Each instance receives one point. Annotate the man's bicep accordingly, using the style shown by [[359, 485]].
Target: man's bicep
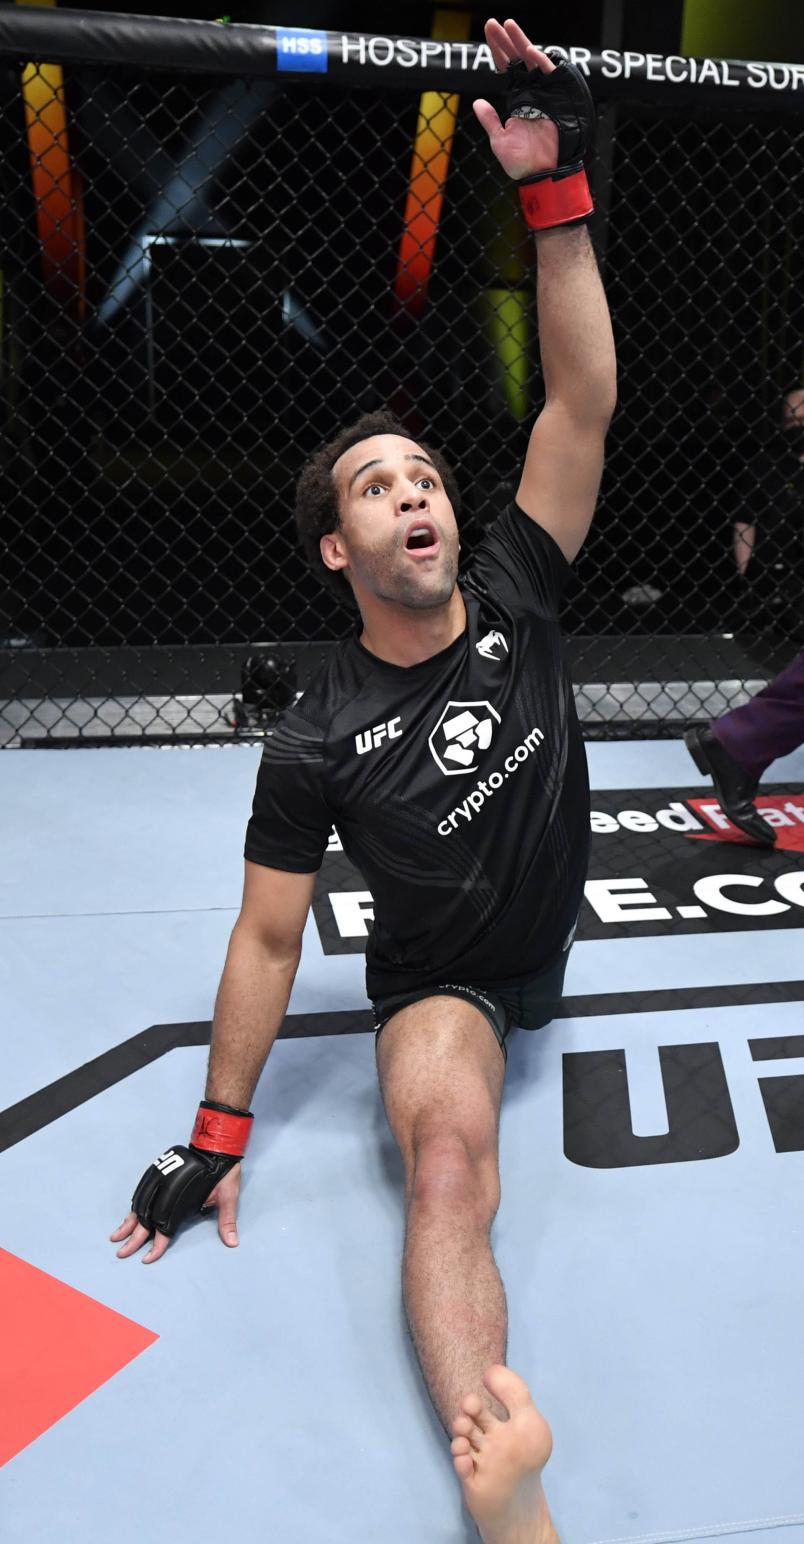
[[561, 476], [275, 905]]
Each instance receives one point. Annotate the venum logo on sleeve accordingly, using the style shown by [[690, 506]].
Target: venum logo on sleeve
[[487, 645]]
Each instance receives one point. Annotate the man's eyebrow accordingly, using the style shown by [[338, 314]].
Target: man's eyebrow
[[412, 456]]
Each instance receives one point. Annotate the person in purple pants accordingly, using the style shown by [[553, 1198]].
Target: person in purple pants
[[736, 750]]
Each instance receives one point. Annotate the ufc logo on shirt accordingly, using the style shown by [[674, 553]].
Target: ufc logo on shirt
[[369, 739]]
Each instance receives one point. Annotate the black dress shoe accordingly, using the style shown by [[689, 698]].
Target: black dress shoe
[[734, 788]]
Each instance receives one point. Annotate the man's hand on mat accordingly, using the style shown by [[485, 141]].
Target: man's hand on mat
[[225, 1197]]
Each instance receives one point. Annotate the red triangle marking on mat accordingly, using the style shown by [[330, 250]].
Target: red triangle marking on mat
[[57, 1346]]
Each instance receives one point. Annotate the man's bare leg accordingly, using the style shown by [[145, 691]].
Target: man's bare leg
[[458, 1318]]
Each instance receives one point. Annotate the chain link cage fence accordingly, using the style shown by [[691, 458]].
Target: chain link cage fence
[[220, 244]]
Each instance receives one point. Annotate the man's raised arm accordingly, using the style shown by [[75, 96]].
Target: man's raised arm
[[564, 462]]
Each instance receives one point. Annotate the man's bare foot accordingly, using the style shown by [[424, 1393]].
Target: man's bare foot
[[500, 1463]]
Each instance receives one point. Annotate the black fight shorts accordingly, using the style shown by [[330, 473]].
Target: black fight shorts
[[529, 1002]]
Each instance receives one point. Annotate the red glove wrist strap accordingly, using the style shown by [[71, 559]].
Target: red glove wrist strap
[[555, 199], [216, 1132]]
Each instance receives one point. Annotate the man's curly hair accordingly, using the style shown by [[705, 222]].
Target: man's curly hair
[[316, 510]]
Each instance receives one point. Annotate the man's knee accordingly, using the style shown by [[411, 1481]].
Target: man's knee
[[451, 1172]]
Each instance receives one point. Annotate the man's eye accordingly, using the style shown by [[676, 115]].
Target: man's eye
[[373, 488]]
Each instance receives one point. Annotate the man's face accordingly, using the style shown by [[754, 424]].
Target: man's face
[[793, 411], [398, 538]]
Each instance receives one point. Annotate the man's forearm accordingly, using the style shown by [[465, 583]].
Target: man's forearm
[[576, 342], [251, 1004], [744, 538]]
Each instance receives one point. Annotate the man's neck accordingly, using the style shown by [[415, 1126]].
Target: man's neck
[[402, 635]]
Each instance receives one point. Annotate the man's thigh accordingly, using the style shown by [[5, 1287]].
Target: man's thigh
[[441, 1069]]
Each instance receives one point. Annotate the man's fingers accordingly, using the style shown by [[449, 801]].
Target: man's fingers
[[127, 1226], [137, 1235], [488, 116], [160, 1244], [227, 1226], [509, 43], [538, 59], [225, 1197], [518, 41], [498, 41]]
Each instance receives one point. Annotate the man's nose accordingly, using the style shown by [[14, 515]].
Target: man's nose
[[411, 498]]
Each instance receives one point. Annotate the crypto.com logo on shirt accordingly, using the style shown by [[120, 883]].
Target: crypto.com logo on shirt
[[463, 730]]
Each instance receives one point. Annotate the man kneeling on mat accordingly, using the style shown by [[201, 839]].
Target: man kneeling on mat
[[441, 740]]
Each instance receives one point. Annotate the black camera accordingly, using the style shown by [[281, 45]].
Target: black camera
[[268, 684]]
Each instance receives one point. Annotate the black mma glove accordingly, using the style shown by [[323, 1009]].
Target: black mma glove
[[178, 1182], [559, 196]]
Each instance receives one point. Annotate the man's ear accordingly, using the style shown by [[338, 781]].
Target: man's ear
[[333, 551]]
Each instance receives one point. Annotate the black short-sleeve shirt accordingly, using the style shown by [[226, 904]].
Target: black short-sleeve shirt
[[458, 786]]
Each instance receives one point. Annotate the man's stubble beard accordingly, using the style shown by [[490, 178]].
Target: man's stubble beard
[[403, 589]]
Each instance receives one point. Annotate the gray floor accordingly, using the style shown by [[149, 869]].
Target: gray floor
[[654, 1309]]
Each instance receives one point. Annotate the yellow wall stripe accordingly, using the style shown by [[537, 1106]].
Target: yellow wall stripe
[[432, 149], [56, 183]]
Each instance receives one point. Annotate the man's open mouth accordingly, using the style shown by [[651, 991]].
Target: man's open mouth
[[422, 540]]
